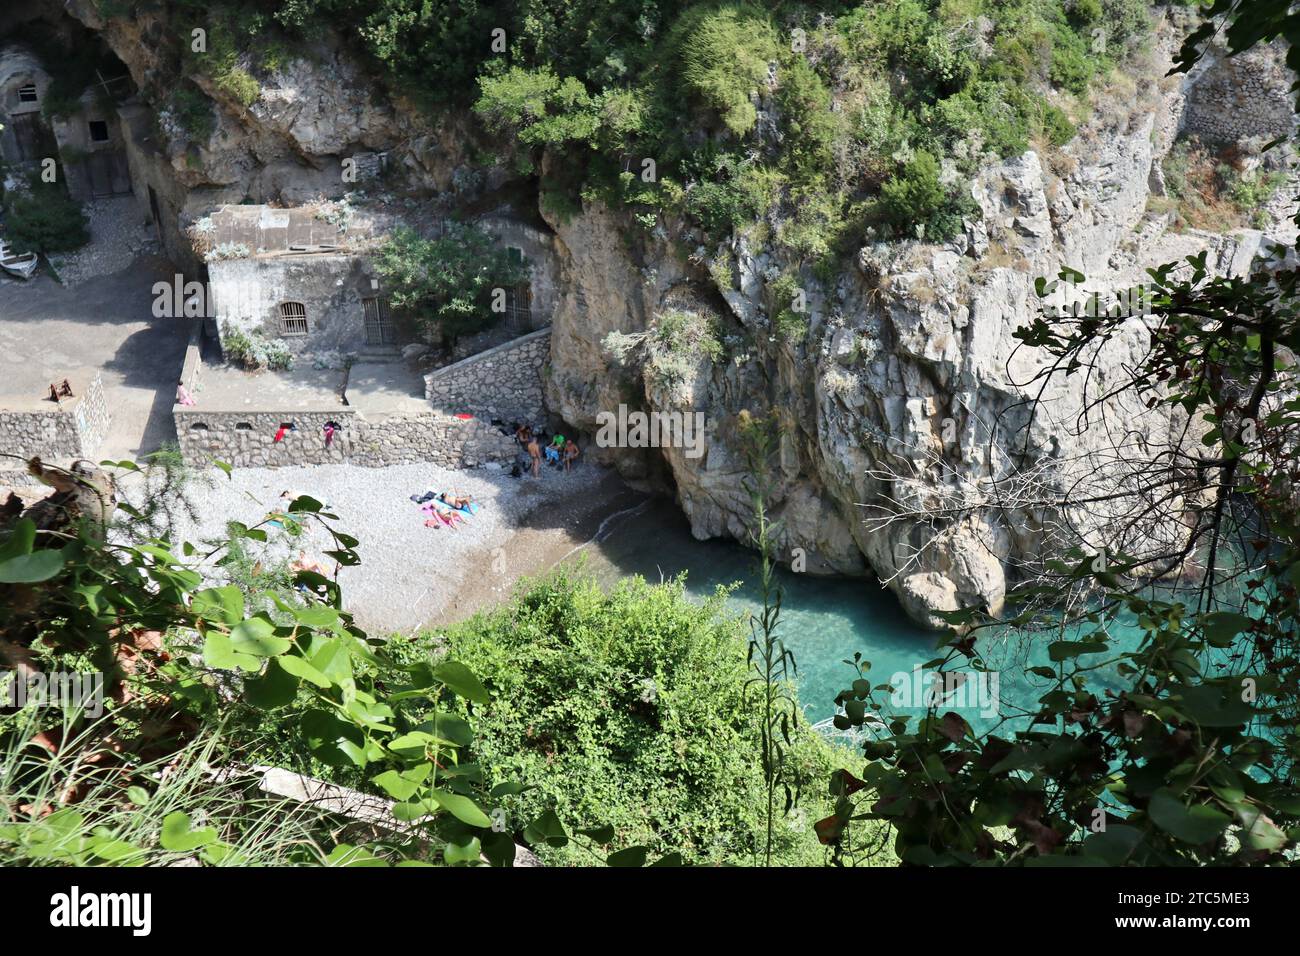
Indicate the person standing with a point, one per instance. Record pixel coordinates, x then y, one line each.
535 454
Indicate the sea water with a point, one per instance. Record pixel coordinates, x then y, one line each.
825 620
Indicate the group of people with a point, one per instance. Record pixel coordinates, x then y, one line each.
559 452
445 509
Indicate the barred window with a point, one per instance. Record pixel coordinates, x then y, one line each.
27 94
293 318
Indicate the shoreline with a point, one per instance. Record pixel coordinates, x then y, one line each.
413 576
527 550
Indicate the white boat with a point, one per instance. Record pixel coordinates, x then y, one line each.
21 265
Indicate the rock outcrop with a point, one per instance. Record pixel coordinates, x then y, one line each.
908 388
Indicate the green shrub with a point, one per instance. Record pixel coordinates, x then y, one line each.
1085 12
722 55
727 189
193 111
537 107
915 194
446 287
240 86
628 710
45 220
253 350
810 127
916 197
784 302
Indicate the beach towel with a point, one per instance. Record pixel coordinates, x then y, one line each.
469 509
448 515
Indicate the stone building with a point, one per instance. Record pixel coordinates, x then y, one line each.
86 139
296 275
291 274
92 147
26 137
531 305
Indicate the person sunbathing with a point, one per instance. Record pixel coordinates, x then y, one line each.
306 564
456 501
571 453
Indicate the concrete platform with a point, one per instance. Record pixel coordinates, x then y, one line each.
379 390
226 388
49 332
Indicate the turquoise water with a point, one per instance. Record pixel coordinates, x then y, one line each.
824 620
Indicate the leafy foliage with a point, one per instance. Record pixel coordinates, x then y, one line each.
253 350
45 219
446 286
121 608
629 710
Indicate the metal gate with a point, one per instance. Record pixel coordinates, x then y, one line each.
379 330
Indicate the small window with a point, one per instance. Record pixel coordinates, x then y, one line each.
243 426
27 94
198 427
98 131
293 318
515 254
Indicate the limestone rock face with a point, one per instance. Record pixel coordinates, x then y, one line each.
903 391
909 387
315 119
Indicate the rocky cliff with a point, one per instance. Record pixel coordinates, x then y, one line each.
902 385
907 398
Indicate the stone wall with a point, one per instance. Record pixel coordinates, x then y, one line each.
158 192
247 439
56 433
504 382
1235 98
92 417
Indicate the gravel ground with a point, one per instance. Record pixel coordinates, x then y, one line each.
118 235
409 574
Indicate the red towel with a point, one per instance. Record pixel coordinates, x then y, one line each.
280 434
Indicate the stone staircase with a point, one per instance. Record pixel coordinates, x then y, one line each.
379 355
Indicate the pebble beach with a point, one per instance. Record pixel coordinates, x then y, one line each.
411 575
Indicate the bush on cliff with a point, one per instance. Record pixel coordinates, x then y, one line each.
628 710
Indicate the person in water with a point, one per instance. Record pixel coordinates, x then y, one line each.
535 455
570 453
